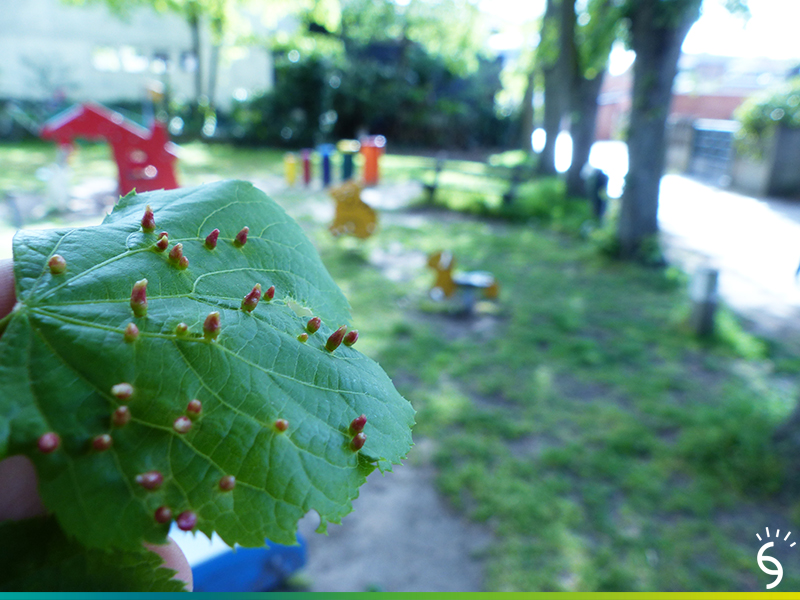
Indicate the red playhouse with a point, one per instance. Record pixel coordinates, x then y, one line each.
145 158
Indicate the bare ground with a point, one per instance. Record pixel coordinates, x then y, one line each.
400 537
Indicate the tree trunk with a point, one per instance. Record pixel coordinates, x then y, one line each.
213 65
656 39
584 119
558 74
553 109
526 114
193 18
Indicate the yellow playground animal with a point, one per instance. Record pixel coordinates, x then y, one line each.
352 217
447 284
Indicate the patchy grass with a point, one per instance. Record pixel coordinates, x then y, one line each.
604 446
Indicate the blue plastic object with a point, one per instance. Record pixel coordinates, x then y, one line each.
325 151
250 569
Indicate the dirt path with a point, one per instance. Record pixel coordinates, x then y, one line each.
400 537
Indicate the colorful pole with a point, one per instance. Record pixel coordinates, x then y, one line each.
372 147
306 154
290 168
347 148
325 150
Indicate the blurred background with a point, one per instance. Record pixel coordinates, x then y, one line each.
623 416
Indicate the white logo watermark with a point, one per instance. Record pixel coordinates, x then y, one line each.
778 570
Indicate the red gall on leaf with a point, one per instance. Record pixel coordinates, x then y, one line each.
270 293
131 333
148 220
281 425
186 521
241 237
227 483
49 442
335 339
351 338
313 325
57 264
163 242
183 263
176 254
121 416
151 480
303 337
250 301
211 326
122 391
182 424
163 514
181 329
358 442
211 239
139 298
102 442
357 425
194 408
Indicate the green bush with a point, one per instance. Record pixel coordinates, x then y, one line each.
761 114
545 200
732 444
389 88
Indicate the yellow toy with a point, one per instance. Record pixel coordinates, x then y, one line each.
352 217
447 284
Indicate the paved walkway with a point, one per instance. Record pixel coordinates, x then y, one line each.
754 242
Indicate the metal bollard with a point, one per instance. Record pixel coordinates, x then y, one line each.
703 294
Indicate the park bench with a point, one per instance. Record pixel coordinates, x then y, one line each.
466 178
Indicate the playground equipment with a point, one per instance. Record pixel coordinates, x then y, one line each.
325 151
348 148
290 168
372 147
353 216
466 285
306 155
145 158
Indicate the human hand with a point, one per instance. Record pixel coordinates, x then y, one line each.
19 496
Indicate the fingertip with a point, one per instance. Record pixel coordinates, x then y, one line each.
174 559
20 493
7 294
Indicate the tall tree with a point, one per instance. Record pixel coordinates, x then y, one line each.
657 31
556 56
598 27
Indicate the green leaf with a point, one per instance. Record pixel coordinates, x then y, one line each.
37 556
63 350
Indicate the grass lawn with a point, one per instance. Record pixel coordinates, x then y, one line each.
604 446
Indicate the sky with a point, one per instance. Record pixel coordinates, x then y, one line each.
772 31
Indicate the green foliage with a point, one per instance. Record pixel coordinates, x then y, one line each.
599 24
545 200
64 349
542 200
761 114
600 443
458 42
43 559
732 446
289 114
392 88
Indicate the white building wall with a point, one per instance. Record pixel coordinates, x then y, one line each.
48 48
